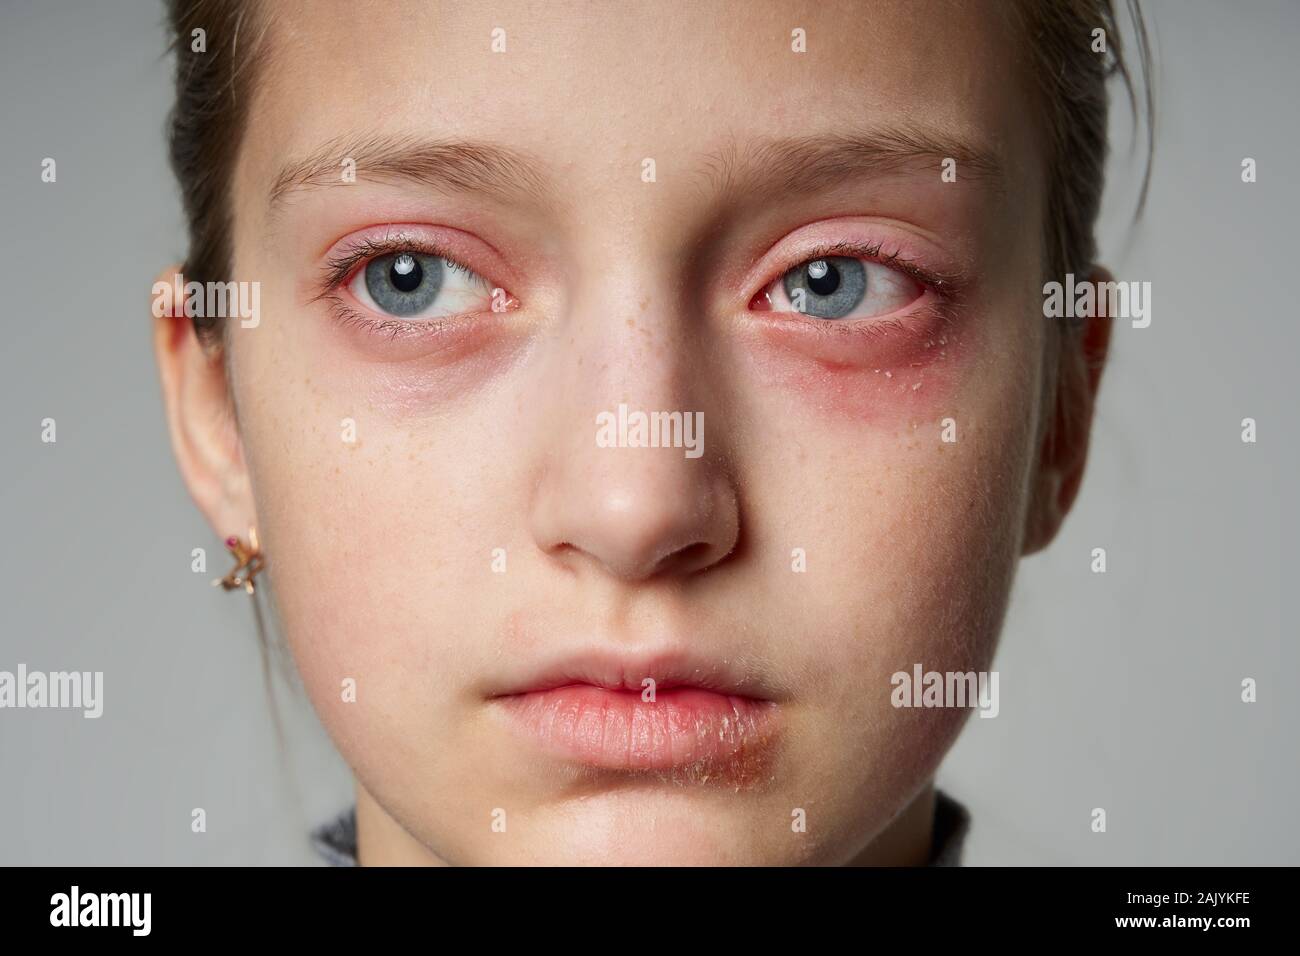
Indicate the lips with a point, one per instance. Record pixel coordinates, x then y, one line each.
670 714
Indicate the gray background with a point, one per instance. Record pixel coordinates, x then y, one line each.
1118 690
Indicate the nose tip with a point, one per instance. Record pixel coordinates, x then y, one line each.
644 516
637 534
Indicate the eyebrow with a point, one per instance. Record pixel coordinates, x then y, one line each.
791 165
804 164
450 165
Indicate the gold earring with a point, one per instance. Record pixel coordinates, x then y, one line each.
248 561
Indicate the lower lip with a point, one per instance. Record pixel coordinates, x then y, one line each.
616 729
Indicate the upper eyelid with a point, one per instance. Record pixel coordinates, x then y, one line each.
898 245
341 266
458 246
872 251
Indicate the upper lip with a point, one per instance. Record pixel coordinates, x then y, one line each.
627 671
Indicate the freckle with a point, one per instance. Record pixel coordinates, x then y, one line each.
631 324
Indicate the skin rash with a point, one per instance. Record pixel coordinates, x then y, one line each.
477 432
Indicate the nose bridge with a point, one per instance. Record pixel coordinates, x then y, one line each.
629 487
633 335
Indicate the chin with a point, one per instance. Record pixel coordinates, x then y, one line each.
656 829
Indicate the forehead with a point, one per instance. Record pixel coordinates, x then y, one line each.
586 85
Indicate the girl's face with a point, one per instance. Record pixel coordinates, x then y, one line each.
454 516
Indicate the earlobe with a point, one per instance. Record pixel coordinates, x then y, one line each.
1081 356
200 414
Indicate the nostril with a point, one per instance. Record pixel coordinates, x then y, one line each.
689 558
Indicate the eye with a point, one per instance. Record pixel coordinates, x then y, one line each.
410 284
840 287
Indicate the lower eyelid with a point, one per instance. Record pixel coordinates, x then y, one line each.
924 333
921 317
391 327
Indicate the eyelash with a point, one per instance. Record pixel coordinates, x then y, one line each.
942 312
339 270
944 284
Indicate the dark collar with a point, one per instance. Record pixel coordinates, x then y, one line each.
336 841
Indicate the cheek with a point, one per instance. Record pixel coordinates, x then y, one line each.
379 492
353 546
911 540
913 566
910 552
923 544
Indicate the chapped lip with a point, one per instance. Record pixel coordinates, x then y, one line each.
707 719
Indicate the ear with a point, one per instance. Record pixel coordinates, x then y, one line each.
200 414
1063 450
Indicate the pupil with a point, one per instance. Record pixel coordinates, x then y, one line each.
405 273
823 278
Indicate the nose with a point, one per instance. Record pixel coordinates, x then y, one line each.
607 501
636 513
